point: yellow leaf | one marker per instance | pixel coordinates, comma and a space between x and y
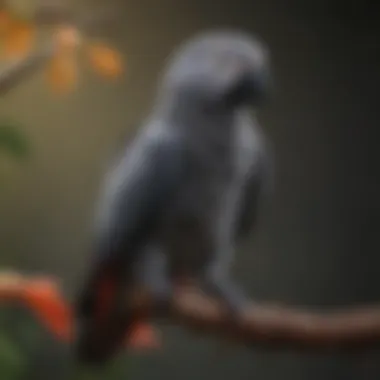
62, 72
105, 61
19, 39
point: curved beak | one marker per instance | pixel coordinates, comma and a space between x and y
252, 86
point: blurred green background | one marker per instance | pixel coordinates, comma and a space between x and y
318, 242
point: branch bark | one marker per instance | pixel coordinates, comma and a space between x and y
270, 326
15, 73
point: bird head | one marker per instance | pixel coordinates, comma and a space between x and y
228, 68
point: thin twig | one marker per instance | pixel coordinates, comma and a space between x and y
22, 69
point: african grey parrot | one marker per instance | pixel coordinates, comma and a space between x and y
185, 191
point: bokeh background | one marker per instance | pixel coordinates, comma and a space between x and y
318, 243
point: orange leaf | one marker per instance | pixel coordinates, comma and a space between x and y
45, 300
19, 39
42, 297
62, 72
5, 22
105, 61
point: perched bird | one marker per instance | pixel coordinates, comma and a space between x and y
185, 191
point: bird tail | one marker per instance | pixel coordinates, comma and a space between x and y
104, 320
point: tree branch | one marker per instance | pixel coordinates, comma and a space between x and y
259, 325
271, 326
22, 69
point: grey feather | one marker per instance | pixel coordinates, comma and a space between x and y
259, 185
188, 187
137, 191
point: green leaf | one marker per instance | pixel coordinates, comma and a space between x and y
10, 356
13, 141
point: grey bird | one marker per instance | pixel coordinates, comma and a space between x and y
185, 191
